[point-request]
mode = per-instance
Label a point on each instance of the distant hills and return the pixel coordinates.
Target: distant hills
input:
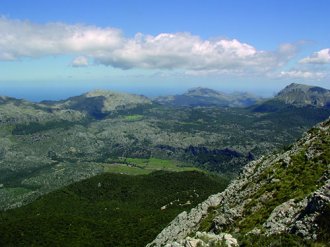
(302, 95)
(294, 94)
(208, 97)
(99, 103)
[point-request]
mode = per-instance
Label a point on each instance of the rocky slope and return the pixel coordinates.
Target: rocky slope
(286, 193)
(208, 97)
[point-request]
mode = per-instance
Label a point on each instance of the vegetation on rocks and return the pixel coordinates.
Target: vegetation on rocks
(279, 199)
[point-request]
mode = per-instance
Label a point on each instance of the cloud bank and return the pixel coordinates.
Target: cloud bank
(166, 51)
(108, 46)
(80, 61)
(320, 57)
(302, 74)
(26, 39)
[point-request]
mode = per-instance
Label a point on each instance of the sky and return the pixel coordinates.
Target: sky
(56, 49)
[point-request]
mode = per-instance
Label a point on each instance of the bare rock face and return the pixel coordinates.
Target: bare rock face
(299, 217)
(204, 239)
(304, 224)
(282, 216)
(301, 177)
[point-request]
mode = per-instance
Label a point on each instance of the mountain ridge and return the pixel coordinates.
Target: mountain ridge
(200, 96)
(300, 95)
(293, 94)
(99, 103)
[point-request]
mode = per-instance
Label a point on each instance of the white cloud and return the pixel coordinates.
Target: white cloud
(180, 50)
(109, 47)
(287, 50)
(80, 61)
(320, 57)
(26, 39)
(192, 54)
(301, 74)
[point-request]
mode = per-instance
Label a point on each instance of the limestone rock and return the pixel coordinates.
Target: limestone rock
(203, 239)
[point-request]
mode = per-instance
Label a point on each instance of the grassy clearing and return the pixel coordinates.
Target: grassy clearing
(134, 117)
(138, 166)
(125, 169)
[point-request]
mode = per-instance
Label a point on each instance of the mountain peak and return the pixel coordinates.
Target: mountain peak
(202, 91)
(201, 96)
(99, 103)
(302, 95)
(293, 84)
(99, 92)
(302, 87)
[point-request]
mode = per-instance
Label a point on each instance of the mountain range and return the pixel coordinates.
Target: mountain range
(208, 97)
(100, 103)
(294, 94)
(52, 145)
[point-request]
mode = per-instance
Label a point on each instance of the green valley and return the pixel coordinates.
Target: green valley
(107, 210)
(45, 146)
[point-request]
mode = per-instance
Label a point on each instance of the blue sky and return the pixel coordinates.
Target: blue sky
(54, 49)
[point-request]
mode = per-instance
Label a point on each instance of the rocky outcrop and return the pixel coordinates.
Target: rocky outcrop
(304, 224)
(185, 223)
(296, 182)
(203, 239)
(298, 217)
